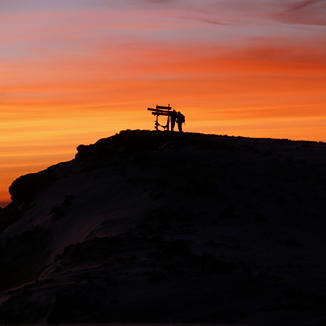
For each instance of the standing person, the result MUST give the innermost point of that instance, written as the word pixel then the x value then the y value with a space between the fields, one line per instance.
pixel 180 120
pixel 173 116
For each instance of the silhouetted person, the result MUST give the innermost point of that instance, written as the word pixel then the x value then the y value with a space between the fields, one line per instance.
pixel 180 120
pixel 173 116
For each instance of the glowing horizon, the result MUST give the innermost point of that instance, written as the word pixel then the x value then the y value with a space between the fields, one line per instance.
pixel 76 71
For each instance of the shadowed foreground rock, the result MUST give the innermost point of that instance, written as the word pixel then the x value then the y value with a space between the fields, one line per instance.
pixel 147 227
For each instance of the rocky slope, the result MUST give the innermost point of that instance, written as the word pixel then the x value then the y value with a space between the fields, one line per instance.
pixel 158 227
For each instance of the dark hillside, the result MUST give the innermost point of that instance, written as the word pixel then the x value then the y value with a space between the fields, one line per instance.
pixel 159 227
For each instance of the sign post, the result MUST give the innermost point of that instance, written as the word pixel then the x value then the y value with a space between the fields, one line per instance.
pixel 161 110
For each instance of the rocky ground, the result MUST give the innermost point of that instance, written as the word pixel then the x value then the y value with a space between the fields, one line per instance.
pixel 159 227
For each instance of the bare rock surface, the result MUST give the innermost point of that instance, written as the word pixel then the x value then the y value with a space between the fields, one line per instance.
pixel 159 227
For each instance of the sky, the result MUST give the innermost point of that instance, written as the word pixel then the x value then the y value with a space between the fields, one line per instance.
pixel 75 71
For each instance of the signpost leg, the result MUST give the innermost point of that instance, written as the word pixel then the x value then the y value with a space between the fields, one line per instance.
pixel 156 123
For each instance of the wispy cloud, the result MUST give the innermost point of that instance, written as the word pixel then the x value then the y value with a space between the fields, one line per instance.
pixel 305 3
pixel 307 12
pixel 312 12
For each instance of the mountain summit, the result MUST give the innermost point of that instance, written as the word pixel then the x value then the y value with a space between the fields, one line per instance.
pixel 162 227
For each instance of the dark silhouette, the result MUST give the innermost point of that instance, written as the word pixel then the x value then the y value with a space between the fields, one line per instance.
pixel 173 115
pixel 195 204
pixel 180 120
pixel 161 110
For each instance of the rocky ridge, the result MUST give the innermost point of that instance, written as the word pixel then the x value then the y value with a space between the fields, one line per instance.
pixel 162 227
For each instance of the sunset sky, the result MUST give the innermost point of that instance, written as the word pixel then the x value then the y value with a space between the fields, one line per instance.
pixel 75 71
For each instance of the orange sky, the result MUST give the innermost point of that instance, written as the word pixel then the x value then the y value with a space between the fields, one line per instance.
pixel 75 71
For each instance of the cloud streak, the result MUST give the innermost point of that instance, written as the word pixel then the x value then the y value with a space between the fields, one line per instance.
pixel 308 12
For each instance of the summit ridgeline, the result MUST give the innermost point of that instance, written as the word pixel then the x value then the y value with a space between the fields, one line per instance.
pixel 169 227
